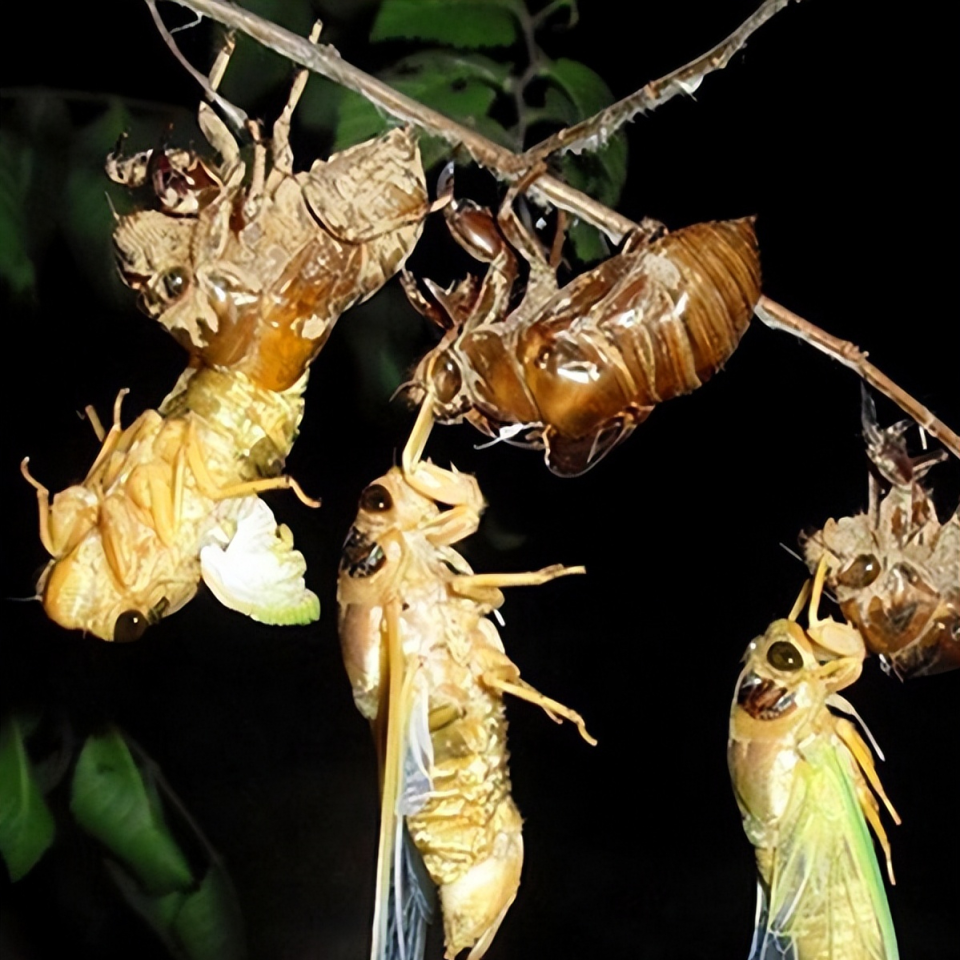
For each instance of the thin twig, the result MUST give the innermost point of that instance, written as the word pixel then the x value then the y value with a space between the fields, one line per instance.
pixel 595 131
pixel 778 317
pixel 326 61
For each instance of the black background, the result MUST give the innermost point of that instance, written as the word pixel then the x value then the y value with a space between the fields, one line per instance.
pixel 833 129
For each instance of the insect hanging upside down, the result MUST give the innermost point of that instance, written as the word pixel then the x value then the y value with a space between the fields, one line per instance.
pixel 429 670
pixel 895 570
pixel 802 779
pixel 249 273
pixel 574 369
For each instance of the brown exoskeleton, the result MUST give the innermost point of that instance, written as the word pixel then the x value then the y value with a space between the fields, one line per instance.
pixel 575 369
pixel 895 569
pixel 250 274
pixel 429 670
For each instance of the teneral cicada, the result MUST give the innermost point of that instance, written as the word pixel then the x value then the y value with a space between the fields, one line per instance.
pixel 429 670
pixel 575 369
pixel 249 273
pixel 895 569
pixel 802 777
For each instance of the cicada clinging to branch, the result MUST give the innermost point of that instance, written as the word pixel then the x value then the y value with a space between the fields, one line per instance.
pixel 574 369
pixel 249 270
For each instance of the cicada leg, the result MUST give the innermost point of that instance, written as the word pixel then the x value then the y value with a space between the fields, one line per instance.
pixel 281 151
pixel 91 414
pixel 112 438
pixel 868 803
pixel 43 506
pixel 467 585
pixel 838 639
pixel 554 709
pixel 209 488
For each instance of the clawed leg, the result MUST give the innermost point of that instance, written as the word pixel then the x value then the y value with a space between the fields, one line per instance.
pixel 861 752
pixel 209 488
pixel 838 639
pixel 91 414
pixel 112 437
pixel 556 711
pixel 467 585
pixel 43 505
pixel 280 144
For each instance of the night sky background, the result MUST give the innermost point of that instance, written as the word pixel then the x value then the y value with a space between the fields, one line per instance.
pixel 833 128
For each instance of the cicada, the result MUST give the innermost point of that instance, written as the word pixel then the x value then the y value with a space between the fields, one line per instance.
pixel 895 569
pixel 428 669
pixel 249 272
pixel 802 777
pixel 574 369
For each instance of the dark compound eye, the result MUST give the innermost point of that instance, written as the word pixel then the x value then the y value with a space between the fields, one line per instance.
pixel 447 379
pixel 860 572
pixel 784 656
pixel 376 498
pixel 174 282
pixel 130 626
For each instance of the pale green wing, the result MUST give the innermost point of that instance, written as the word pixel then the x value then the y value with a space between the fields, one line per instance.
pixel 826 897
pixel 257 572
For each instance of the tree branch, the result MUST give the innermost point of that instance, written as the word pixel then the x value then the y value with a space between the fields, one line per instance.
pixel 326 61
pixel 595 131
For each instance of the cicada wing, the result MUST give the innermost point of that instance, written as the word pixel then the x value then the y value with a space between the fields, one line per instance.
pixel 405 896
pixel 826 895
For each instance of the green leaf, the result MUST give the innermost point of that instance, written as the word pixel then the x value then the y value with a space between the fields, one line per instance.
pixel 16 167
pixel 466 24
pixel 26 824
pixel 111 802
pixel 461 86
pixel 203 925
pixel 586 89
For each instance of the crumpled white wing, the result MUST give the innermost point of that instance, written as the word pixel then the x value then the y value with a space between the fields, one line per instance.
pixel 258 572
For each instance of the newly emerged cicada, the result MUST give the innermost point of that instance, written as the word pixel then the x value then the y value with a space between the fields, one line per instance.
pixel 249 272
pixel 428 669
pixel 895 570
pixel 574 369
pixel 802 777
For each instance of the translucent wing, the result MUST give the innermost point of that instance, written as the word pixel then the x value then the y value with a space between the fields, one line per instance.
pixel 825 896
pixel 406 897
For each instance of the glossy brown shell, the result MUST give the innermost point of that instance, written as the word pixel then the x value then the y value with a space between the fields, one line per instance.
pixel 646 325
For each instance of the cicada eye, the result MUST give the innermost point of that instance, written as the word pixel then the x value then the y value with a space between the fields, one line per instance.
pixel 784 656
pixel 173 283
pixel 376 499
pixel 447 378
pixel 130 626
pixel 860 572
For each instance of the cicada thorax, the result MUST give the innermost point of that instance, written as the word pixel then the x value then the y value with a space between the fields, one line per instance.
pixel 586 363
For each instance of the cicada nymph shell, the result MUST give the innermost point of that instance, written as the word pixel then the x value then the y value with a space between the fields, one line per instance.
pixel 895 569
pixel 428 668
pixel 802 777
pixel 249 273
pixel 575 369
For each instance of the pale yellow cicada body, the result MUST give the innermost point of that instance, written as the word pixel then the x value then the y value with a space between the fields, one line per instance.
pixel 249 268
pixel 428 668
pixel 802 777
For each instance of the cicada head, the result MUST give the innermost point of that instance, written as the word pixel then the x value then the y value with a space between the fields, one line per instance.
pixel 79 591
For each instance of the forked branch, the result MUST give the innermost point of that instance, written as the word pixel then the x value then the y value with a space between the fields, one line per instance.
pixel 326 61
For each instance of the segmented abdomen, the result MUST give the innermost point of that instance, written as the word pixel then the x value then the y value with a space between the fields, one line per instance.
pixel 643 327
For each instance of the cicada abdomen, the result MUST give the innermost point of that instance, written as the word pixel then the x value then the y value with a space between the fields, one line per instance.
pixel 429 670
pixel 895 570
pixel 576 369
pixel 802 777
